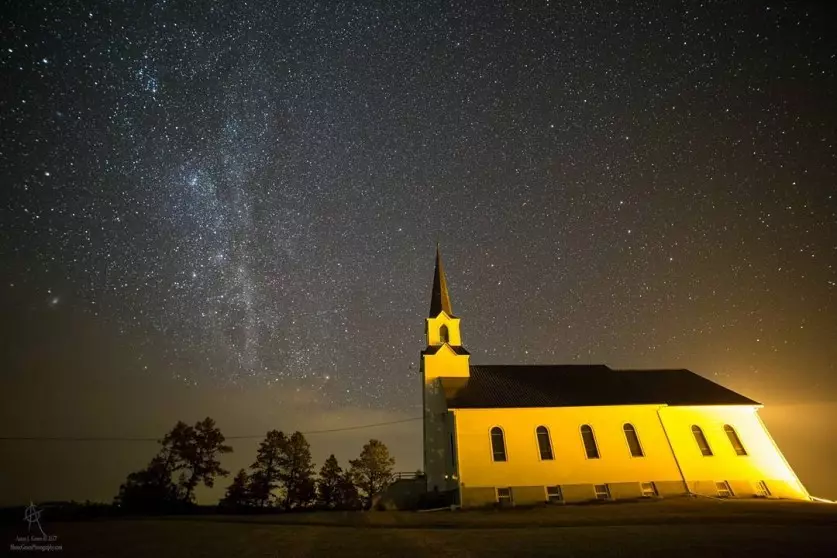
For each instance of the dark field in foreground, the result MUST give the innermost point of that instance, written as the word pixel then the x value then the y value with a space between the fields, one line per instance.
pixel 684 528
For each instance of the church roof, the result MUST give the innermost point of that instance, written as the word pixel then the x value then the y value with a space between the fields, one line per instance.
pixel 439 298
pixel 433 349
pixel 512 386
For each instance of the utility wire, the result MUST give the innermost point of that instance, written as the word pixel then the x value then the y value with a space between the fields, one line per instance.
pixel 157 439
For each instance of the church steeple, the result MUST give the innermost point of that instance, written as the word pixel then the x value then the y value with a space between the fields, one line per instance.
pixel 442 326
pixel 440 299
pixel 444 357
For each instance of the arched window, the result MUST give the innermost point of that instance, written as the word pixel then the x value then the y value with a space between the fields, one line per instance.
pixel 589 442
pixel 498 444
pixel 701 441
pixel 544 445
pixel 633 440
pixel 443 334
pixel 734 440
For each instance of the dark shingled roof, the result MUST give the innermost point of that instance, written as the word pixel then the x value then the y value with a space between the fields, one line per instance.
pixel 580 386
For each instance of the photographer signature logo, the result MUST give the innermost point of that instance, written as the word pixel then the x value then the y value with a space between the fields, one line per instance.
pixel 36 538
pixel 33 515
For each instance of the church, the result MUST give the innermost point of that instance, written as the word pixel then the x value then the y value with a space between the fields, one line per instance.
pixel 528 434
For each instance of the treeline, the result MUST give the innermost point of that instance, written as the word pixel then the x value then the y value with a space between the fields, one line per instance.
pixel 282 477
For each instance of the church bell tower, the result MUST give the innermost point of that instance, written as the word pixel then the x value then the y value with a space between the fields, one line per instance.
pixel 444 357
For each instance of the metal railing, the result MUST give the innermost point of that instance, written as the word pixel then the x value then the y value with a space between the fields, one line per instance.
pixel 407 475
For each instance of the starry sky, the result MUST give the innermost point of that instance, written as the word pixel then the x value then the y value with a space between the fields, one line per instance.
pixel 231 209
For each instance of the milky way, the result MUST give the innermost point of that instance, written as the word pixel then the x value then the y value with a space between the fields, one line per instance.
pixel 254 190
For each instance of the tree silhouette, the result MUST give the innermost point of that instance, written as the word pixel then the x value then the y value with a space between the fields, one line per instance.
pixel 347 494
pixel 296 471
pixel 328 483
pixel 150 489
pixel 238 493
pixel 303 493
pixel 266 469
pixel 372 470
pixel 193 451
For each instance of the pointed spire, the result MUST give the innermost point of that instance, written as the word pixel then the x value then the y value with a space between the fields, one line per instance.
pixel 439 300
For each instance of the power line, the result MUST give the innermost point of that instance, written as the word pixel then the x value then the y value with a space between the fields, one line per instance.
pixel 157 439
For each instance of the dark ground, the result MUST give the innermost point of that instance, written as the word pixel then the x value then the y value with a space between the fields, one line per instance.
pixel 704 528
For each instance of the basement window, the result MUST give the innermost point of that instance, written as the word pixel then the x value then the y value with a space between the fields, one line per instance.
pixel 724 491
pixel 649 490
pixel 554 495
pixel 504 496
pixel 602 492
pixel 761 490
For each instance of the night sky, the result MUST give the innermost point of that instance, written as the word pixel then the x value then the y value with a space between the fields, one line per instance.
pixel 231 209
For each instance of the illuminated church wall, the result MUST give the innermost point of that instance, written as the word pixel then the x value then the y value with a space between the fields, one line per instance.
pixel 528 475
pixel 763 460
pixel 570 464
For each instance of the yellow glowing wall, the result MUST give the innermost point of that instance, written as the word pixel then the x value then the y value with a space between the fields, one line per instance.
pixel 434 326
pixel 616 467
pixel 570 465
pixel 764 460
pixel 445 364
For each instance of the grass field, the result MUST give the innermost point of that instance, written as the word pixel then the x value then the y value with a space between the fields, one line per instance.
pixel 665 528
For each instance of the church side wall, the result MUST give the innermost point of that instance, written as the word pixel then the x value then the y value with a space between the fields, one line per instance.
pixel 664 433
pixel 763 462
pixel 570 467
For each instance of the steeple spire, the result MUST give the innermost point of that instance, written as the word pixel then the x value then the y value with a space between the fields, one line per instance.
pixel 439 300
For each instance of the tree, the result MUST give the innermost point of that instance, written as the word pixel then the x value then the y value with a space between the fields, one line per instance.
pixel 296 471
pixel 238 493
pixel 261 488
pixel 193 451
pixel 347 494
pixel 372 470
pixel 328 483
pixel 189 451
pixel 304 493
pixel 150 489
pixel 266 472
